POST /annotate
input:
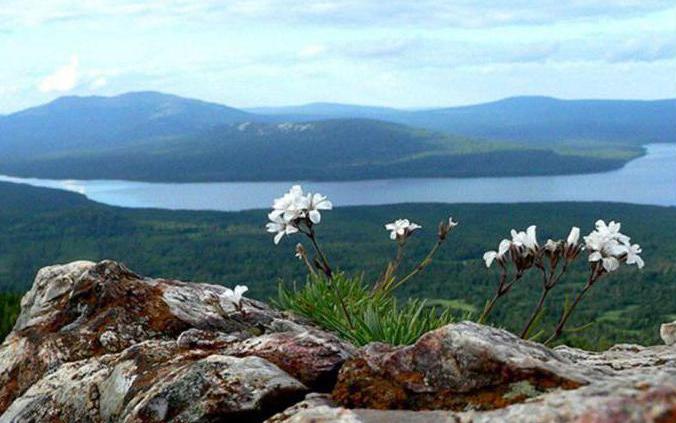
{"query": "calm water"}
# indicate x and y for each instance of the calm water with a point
(647, 180)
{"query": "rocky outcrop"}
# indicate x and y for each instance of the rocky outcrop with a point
(99, 343)
(95, 342)
(668, 333)
(455, 367)
(627, 383)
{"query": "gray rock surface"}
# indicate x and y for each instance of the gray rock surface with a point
(459, 366)
(668, 333)
(98, 343)
(95, 342)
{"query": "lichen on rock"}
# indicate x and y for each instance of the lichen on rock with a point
(96, 342)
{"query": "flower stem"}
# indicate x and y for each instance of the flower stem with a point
(391, 269)
(503, 288)
(535, 313)
(547, 285)
(593, 277)
(419, 268)
(326, 268)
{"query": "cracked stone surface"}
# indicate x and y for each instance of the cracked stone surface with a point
(96, 342)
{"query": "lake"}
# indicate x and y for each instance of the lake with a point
(650, 179)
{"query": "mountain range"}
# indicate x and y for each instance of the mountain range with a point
(522, 119)
(159, 137)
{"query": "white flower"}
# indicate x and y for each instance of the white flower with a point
(611, 264)
(234, 296)
(551, 246)
(297, 205)
(595, 241)
(451, 222)
(503, 248)
(280, 226)
(292, 208)
(611, 230)
(633, 257)
(607, 244)
(401, 228)
(573, 237)
(317, 202)
(291, 205)
(526, 239)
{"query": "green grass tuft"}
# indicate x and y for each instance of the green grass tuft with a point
(374, 318)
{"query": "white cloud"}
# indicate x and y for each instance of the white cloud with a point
(99, 82)
(63, 79)
(311, 51)
(394, 13)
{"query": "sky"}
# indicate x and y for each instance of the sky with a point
(399, 53)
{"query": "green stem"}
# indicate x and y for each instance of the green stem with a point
(548, 283)
(329, 274)
(535, 312)
(391, 269)
(503, 288)
(593, 277)
(426, 261)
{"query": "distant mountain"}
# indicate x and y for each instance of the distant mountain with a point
(92, 123)
(158, 137)
(531, 120)
(328, 111)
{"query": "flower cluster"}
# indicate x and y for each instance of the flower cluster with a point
(608, 246)
(401, 229)
(294, 208)
(524, 251)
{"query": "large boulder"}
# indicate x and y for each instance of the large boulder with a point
(455, 367)
(97, 342)
(471, 373)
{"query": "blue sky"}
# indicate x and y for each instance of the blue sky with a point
(401, 53)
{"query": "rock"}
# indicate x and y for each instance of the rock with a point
(668, 333)
(313, 357)
(320, 405)
(628, 383)
(216, 387)
(456, 367)
(595, 403)
(97, 342)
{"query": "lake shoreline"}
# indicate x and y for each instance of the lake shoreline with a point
(649, 179)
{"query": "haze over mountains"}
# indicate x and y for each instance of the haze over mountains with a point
(522, 119)
(159, 137)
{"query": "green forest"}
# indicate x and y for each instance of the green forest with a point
(40, 227)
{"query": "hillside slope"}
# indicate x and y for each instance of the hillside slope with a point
(89, 123)
(233, 248)
(533, 120)
(340, 149)
(158, 137)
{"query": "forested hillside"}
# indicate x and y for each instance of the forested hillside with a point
(44, 227)
(157, 137)
(530, 119)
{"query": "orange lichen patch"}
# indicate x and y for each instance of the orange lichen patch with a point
(19, 378)
(359, 387)
(11, 389)
(379, 383)
(113, 300)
